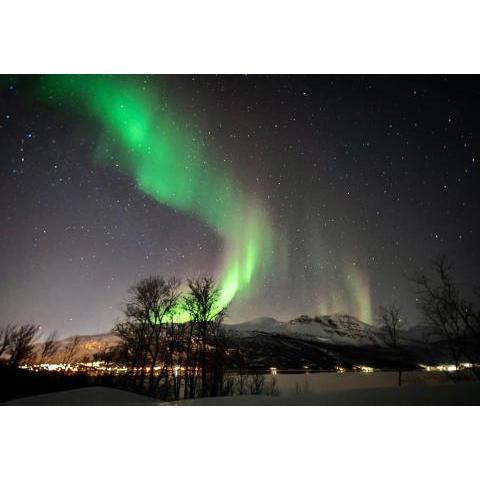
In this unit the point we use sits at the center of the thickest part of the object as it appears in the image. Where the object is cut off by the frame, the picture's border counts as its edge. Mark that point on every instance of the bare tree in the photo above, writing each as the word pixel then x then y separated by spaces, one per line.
pixel 21 345
pixel 455 320
pixel 256 384
pixel 162 350
pixel 174 354
pixel 239 361
pixel 389 321
pixel 133 346
pixel 150 305
pixel 218 354
pixel 190 352
pixel 5 338
pixel 70 351
pixel 202 302
pixel 49 348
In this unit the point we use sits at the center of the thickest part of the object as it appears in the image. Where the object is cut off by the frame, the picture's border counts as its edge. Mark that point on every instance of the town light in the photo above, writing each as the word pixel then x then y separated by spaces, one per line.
pixel 365 369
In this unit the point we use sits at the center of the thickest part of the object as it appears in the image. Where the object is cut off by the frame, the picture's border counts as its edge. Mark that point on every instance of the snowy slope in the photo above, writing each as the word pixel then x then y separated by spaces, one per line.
pixel 262 324
pixel 336 329
pixel 466 393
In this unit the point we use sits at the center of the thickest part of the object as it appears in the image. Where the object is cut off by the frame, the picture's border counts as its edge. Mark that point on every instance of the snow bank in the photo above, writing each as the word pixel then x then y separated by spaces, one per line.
pixel 467 393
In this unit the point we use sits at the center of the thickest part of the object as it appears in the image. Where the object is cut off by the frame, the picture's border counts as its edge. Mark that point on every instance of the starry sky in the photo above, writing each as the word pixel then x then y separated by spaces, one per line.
pixel 346 184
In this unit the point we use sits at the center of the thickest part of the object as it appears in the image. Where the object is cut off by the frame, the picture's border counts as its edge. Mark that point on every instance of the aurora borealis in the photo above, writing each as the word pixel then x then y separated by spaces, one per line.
pixel 300 194
pixel 168 166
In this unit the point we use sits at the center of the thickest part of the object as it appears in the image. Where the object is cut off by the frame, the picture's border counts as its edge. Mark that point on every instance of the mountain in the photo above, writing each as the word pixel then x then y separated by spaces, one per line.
pixel 88 345
pixel 334 329
pixel 320 342
pixel 261 324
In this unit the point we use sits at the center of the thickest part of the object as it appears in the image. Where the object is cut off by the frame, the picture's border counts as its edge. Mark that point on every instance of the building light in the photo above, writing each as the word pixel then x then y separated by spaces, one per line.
pixel 445 368
pixel 273 370
pixel 364 369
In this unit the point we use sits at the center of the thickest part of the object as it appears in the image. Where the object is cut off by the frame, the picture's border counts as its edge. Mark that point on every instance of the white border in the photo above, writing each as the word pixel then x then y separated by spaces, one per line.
pixel 239 442
pixel 251 36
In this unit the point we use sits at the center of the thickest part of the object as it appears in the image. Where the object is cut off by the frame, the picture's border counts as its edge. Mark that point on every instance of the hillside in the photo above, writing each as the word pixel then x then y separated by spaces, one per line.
pixel 321 342
pixel 335 329
pixel 89 345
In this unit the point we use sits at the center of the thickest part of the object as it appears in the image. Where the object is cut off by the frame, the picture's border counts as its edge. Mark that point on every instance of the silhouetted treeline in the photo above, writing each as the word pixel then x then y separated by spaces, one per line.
pixel 17 343
pixel 172 344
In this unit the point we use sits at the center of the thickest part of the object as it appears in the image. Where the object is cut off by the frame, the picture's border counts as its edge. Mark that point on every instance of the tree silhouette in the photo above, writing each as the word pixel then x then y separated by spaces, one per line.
pixel 454 319
pixel 21 343
pixel 70 351
pixel 389 321
pixel 202 304
pixel 151 302
pixel 5 338
pixel 49 348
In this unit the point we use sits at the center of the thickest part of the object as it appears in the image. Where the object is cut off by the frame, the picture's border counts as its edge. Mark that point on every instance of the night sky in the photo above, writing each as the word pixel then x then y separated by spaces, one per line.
pixel 336 188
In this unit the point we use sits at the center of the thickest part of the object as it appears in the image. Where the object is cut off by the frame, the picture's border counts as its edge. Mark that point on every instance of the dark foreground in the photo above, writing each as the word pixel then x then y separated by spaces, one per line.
pixel 18 383
pixel 467 393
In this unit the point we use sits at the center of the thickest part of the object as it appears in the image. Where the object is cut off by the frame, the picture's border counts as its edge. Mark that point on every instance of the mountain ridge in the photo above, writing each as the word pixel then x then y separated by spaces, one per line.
pixel 335 328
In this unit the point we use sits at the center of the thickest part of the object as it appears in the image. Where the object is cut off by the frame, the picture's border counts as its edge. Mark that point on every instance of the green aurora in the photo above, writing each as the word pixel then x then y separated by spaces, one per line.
pixel 161 154
pixel 169 166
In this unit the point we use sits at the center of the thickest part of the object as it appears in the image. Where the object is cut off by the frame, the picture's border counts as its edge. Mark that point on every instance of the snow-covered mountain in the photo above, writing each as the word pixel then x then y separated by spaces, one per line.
pixel 336 329
pixel 261 324
pixel 322 341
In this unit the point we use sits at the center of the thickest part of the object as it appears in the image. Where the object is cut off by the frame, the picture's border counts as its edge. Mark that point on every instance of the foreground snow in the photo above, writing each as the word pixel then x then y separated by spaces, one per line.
pixel 86 396
pixel 462 394
pixel 467 393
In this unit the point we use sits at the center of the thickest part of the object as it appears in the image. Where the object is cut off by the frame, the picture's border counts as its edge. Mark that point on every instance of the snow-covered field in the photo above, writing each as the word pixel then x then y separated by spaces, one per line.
pixel 86 396
pixel 466 393
pixel 350 388
pixel 324 382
